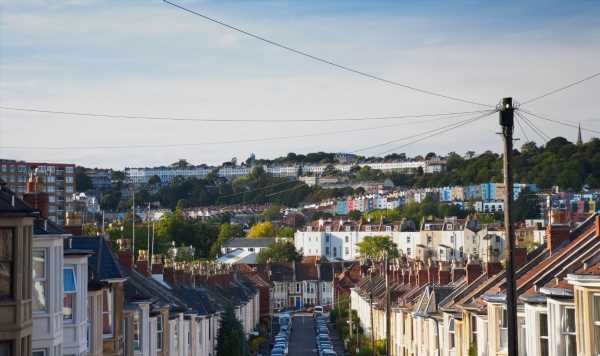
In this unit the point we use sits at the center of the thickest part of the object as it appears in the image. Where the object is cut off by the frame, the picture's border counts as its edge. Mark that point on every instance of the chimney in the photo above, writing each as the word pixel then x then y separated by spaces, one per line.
pixel 493 268
pixel 141 264
pixel 474 269
pixel 422 275
pixel 405 276
pixel 458 271
pixel 125 254
pixel 169 272
pixel 520 257
pixel 157 264
pixel 556 236
pixel 597 223
pixel 443 274
pixel 179 273
pixel 433 275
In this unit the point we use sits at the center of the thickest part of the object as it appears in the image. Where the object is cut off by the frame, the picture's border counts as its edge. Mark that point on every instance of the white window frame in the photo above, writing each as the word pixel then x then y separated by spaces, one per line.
pixel 503 327
pixel 568 336
pixel 159 332
pixel 42 280
pixel 451 335
pixel 109 312
pixel 137 331
pixel 544 337
pixel 74 296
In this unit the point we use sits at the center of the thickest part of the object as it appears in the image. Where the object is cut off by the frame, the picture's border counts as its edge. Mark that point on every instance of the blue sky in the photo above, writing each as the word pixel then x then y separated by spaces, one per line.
pixel 145 57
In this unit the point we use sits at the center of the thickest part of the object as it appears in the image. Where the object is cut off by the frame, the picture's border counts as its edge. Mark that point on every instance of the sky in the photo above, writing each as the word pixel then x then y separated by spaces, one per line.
pixel 144 57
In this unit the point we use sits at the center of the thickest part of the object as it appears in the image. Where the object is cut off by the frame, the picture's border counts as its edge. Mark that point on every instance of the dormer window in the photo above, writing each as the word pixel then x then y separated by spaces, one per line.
pixel 347 228
pixel 368 228
pixel 388 229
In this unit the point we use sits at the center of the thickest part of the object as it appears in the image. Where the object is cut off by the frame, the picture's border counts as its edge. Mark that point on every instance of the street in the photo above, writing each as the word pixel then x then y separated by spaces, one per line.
pixel 302 342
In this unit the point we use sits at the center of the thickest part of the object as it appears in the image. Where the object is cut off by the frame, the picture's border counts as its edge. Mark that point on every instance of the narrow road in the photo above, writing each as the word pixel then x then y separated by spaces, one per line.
pixel 302 341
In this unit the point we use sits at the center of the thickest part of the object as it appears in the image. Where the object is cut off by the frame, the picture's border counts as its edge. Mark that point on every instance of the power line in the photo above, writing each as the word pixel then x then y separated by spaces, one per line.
pixel 255 190
pixel 523 131
pixel 561 89
pixel 436 134
pixel 557 121
pixel 322 60
pixel 215 142
pixel 487 112
pixel 286 190
pixel 90 115
pixel 533 128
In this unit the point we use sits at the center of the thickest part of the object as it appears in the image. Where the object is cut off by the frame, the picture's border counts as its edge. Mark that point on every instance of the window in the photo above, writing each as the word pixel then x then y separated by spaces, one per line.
pixel 474 331
pixel 429 239
pixel 543 319
pixel 451 339
pixel 200 331
pixel 6 348
pixel 567 330
pixel 6 263
pixel 347 239
pixel 159 332
pixel 40 285
pixel 107 312
pixel 346 250
pixel 136 332
pixel 408 251
pixel 297 287
pixel 327 250
pixel 326 237
pixel 69 293
pixel 407 239
pixel 503 329
pixel 596 321
pixel 334 251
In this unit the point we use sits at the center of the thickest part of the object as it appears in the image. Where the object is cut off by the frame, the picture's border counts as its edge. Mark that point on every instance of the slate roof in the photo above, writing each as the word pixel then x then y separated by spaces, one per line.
pixel 19 208
pixel 47 227
pixel 102 263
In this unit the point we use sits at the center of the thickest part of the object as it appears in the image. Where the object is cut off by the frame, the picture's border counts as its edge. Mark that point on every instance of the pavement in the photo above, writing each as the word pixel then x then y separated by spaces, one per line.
pixel 302 341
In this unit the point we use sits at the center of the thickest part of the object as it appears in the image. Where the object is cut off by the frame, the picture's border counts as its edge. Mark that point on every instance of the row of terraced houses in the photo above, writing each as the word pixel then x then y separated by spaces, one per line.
pixel 459 309
pixel 66 295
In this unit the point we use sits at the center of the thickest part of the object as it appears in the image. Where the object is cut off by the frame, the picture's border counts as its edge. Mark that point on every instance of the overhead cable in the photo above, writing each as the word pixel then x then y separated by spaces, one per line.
pixel 322 60
pixel 560 89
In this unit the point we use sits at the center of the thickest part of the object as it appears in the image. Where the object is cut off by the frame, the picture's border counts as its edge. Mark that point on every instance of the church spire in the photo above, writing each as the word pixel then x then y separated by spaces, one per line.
pixel 579 140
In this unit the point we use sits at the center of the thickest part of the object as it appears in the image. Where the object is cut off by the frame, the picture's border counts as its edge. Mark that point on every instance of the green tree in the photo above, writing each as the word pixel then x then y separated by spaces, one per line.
pixel 272 213
pixel 377 247
pixel 281 251
pixel 154 180
pixel 231 340
pixel 226 232
pixel 82 180
pixel 354 215
pixel 265 229
pixel 285 232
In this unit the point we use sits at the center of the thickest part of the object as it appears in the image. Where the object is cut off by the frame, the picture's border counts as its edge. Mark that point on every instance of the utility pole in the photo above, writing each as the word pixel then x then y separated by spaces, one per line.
pixel 148 240
pixel 133 224
pixel 372 329
pixel 388 341
pixel 507 123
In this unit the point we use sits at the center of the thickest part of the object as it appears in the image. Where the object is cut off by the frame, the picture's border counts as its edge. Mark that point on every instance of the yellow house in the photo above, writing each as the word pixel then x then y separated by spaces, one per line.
pixel 586 285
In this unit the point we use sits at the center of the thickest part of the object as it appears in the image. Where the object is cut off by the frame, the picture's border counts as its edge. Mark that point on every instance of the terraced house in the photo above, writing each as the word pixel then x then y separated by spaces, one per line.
pixel 441 309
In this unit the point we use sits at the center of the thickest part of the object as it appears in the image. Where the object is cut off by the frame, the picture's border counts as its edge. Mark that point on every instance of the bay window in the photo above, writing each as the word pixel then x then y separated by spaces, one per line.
pixel 596 322
pixel 474 331
pixel 107 313
pixel 451 335
pixel 70 288
pixel 543 326
pixel 136 332
pixel 503 329
pixel 40 284
pixel 159 332
pixel 567 330
pixel 6 263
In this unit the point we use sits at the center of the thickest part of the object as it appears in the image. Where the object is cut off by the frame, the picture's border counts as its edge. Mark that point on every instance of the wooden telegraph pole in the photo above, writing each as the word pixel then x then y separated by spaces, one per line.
pixel 507 123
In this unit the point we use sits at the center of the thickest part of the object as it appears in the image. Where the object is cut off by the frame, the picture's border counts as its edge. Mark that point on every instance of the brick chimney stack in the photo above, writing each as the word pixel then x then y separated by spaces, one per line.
pixel 556 236
pixel 141 264
pixel 169 272
pixel 433 275
pixel 422 274
pixel 443 273
pixel 520 257
pixel 157 264
pixel 474 269
pixel 458 271
pixel 125 254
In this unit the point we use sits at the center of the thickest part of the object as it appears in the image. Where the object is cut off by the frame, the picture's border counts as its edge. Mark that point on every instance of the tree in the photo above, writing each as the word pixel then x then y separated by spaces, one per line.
pixel 285 232
pixel 83 181
pixel 272 213
pixel 265 229
pixel 231 340
pixel 118 176
pixel 154 180
pixel 354 215
pixel 281 251
pixel 376 247
pixel 226 232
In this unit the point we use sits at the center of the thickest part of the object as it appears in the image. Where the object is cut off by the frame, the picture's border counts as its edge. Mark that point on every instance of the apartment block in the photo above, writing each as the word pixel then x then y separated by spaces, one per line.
pixel 55 179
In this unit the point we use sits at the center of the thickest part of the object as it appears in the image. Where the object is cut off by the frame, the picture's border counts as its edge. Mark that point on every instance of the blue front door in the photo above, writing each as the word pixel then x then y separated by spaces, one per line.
pixel 298 303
